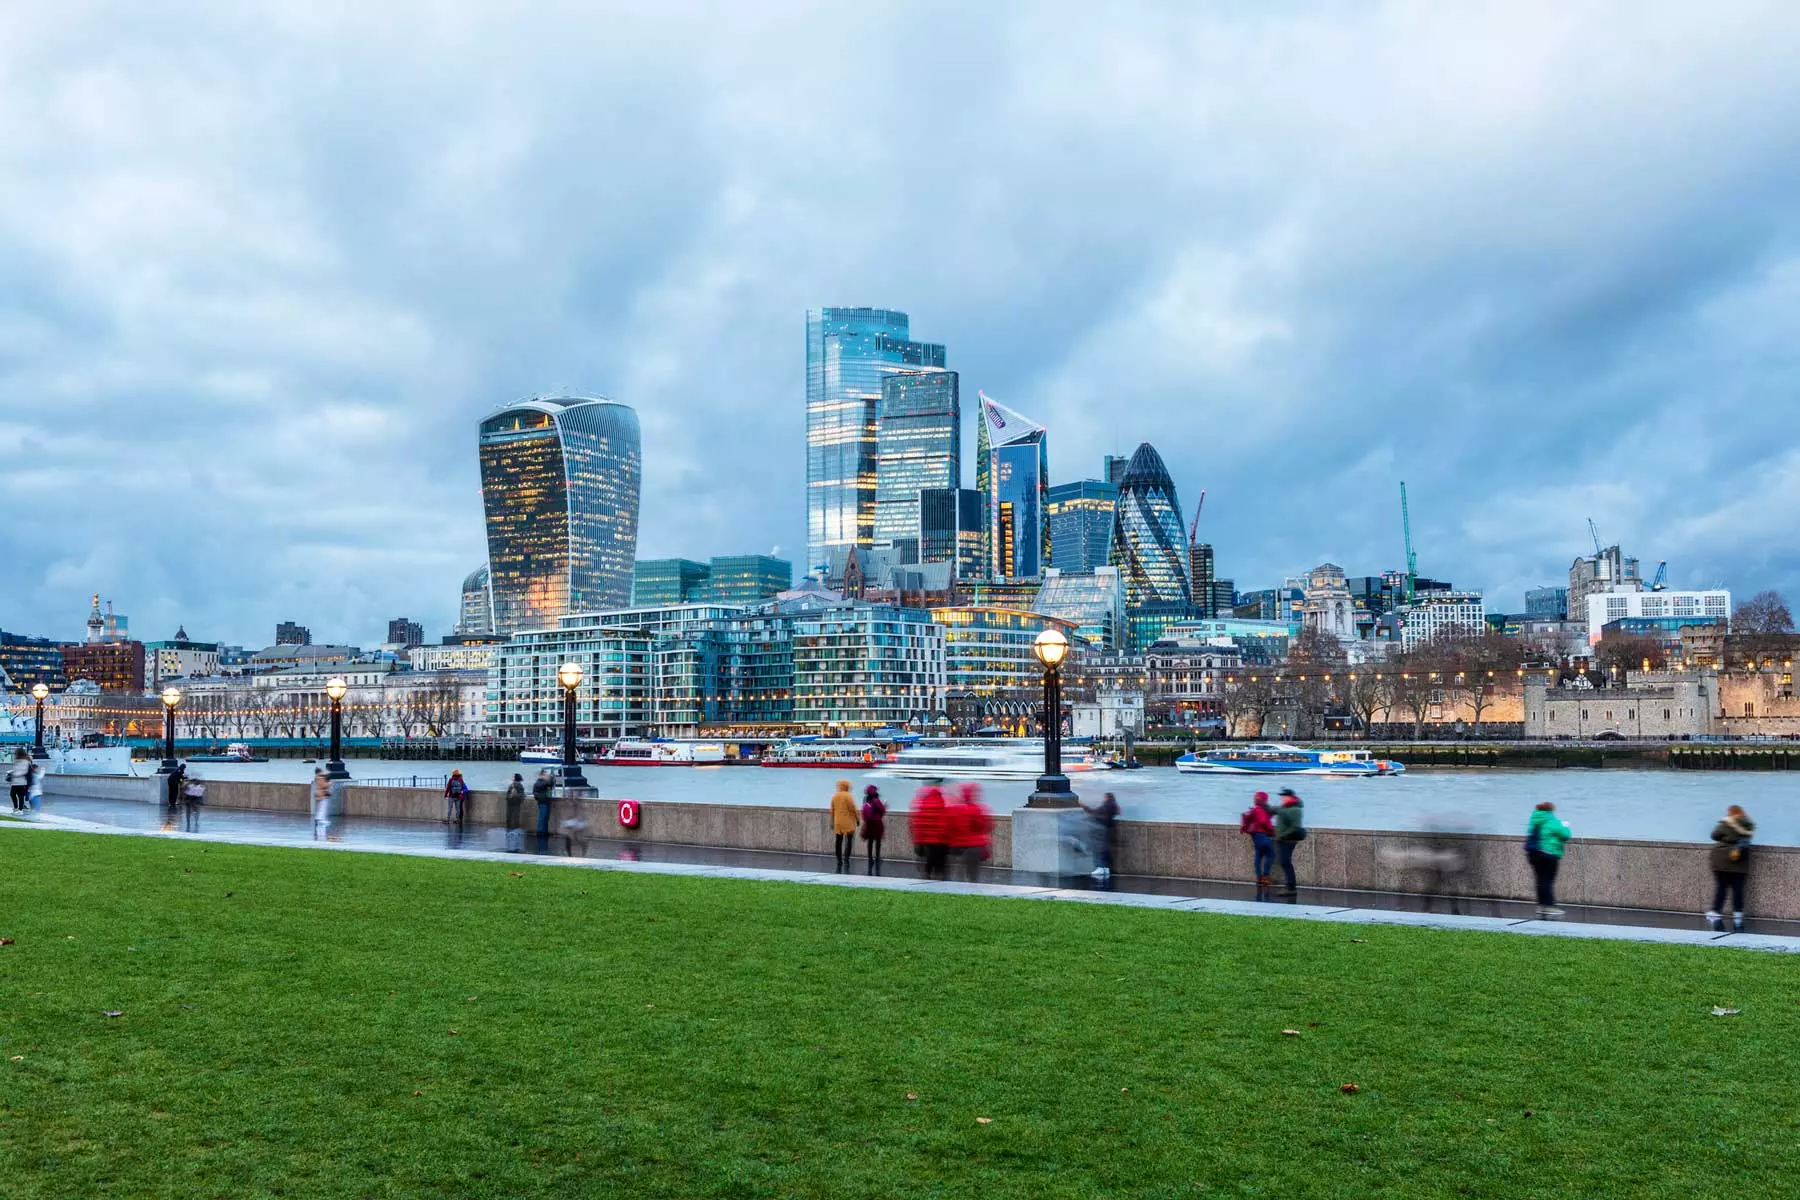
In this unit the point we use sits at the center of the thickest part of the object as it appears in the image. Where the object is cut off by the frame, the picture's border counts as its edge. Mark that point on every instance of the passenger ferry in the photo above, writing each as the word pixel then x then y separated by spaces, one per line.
pixel 824 752
pixel 994 760
pixel 1268 758
pixel 636 752
pixel 541 754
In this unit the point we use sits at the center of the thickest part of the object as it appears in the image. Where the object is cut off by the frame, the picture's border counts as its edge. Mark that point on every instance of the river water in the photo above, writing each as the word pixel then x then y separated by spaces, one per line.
pixel 1657 805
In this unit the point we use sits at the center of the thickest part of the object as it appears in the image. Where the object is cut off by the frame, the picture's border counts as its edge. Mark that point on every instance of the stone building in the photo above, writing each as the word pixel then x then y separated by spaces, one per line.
pixel 1657 705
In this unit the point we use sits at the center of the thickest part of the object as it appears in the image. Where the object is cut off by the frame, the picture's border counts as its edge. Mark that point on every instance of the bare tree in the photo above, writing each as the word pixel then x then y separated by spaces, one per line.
pixel 1365 693
pixel 406 715
pixel 439 708
pixel 263 713
pixel 1484 666
pixel 1245 703
pixel 1765 612
pixel 1617 654
pixel 1414 682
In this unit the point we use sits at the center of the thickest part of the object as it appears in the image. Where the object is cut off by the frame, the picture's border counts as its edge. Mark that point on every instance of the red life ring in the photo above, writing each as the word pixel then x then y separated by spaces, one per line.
pixel 628 814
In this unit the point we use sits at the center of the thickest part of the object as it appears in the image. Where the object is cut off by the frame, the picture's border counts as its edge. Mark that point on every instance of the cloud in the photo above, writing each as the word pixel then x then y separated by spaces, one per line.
pixel 264 267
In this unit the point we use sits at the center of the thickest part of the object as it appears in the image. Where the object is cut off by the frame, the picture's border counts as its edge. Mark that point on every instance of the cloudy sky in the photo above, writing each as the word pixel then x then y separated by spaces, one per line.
pixel 263 268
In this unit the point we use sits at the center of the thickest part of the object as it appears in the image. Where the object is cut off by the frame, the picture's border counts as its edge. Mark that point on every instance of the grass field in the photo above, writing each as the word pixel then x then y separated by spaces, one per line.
pixel 295 1023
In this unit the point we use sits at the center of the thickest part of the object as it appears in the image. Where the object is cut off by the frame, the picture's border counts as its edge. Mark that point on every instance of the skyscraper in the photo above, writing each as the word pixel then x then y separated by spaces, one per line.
pixel 560 482
pixel 849 351
pixel 1149 546
pixel 950 529
pixel 1081 521
pixel 1018 481
pixel 1200 577
pixel 475 614
pixel 918 444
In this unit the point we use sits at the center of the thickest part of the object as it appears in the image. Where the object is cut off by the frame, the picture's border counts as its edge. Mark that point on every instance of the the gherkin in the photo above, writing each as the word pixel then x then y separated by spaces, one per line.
pixel 1147 543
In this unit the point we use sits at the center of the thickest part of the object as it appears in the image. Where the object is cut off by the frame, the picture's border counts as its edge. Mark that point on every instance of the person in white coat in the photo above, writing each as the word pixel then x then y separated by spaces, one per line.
pixel 18 779
pixel 321 804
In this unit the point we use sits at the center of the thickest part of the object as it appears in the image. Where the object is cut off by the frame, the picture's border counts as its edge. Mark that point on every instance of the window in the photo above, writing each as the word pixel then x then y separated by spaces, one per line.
pixel 1749 708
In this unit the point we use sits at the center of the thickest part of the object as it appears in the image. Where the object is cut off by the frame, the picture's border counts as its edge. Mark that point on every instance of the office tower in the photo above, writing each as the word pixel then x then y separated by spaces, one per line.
pixel 849 351
pixel 476 617
pixel 560 478
pixel 747 578
pixel 917 445
pixel 402 632
pixel 1113 467
pixel 1224 596
pixel 659 581
pixel 1200 578
pixel 1018 474
pixel 25 661
pixel 289 633
pixel 950 529
pixel 1547 602
pixel 984 482
pixel 1149 545
pixel 1081 521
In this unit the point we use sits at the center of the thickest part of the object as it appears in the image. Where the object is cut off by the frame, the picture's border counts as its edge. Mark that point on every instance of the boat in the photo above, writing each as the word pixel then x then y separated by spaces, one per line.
pixel 823 752
pixel 636 752
pixel 93 756
pixel 236 752
pixel 1272 758
pixel 541 754
pixel 993 759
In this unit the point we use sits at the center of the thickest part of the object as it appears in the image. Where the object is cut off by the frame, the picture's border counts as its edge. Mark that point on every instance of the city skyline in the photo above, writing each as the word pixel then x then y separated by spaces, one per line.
pixel 1453 297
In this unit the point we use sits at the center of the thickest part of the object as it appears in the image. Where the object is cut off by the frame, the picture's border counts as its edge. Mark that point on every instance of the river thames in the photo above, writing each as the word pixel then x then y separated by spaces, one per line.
pixel 1657 805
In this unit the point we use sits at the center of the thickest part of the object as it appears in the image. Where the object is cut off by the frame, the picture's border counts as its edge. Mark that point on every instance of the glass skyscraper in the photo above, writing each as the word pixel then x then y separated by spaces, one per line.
pixel 1081 521
pixel 747 578
pixel 658 581
pixel 849 351
pixel 1149 545
pixel 1018 474
pixel 560 480
pixel 917 445
pixel 950 529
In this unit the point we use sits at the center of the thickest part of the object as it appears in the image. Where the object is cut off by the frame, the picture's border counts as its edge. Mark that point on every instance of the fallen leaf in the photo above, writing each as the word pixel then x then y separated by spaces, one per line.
pixel 912 1095
pixel 112 1012
pixel 1124 1089
pixel 1529 1113
pixel 1312 1024
pixel 1725 1012
pixel 6 941
pixel 1359 941
pixel 187 1006
pixel 517 874
pixel 471 997
pixel 1349 1089
pixel 984 1120
pixel 453 1033
pixel 418 1093
pixel 229 895
pixel 18 1058
pixel 1290 1033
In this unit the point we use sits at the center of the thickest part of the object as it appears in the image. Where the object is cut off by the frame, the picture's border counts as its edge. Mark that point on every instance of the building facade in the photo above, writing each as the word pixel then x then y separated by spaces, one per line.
pixel 1678 608
pixel 292 633
pixel 1081 524
pixel 110 666
pixel 1608 570
pixel 950 529
pixel 1094 603
pixel 866 665
pixel 849 352
pixel 1148 545
pixel 28 661
pixel 747 578
pixel 1189 678
pixel 1547 602
pixel 1434 616
pixel 455 654
pixel 560 483
pixel 918 445
pixel 178 658
pixel 1018 481
pixel 1659 705
pixel 988 651
pixel 475 609
pixel 658 581
pixel 405 634
pixel 1327 605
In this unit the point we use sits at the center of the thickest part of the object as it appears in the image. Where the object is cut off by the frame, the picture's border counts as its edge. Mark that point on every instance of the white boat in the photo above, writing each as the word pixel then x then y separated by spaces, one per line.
pixel 1011 759
pixel 824 752
pixel 1273 758
pixel 541 754
pixel 637 752
pixel 96 760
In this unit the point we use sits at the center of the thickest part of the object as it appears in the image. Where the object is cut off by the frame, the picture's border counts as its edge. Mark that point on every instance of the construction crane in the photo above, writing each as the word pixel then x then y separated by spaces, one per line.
pixel 1662 573
pixel 1595 534
pixel 1412 560
pixel 1194 529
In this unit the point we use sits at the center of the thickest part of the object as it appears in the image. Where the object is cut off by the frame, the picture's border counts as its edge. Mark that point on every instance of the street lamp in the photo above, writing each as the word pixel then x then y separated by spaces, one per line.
pixel 335 687
pixel 569 675
pixel 1051 647
pixel 40 693
pixel 171 700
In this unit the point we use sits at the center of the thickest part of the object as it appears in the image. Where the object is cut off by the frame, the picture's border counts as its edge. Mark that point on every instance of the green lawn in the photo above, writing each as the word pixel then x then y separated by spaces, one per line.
pixel 307 1024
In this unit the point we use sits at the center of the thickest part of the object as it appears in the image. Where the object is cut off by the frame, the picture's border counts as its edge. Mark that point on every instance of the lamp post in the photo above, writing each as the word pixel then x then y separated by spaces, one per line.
pixel 40 693
pixel 335 687
pixel 1051 647
pixel 171 700
pixel 569 675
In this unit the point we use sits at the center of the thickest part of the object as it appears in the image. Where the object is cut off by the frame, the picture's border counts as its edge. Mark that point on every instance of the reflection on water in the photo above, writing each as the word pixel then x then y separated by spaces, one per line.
pixel 1653 804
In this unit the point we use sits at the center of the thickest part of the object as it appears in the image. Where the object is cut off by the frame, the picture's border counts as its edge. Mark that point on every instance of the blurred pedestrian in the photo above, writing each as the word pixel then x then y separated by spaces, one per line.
pixel 1259 824
pixel 968 830
pixel 515 804
pixel 18 778
pixel 34 794
pixel 1290 831
pixel 1730 867
pixel 321 803
pixel 874 826
pixel 1545 837
pixel 455 792
pixel 1105 816
pixel 927 823
pixel 193 796
pixel 843 824
pixel 543 790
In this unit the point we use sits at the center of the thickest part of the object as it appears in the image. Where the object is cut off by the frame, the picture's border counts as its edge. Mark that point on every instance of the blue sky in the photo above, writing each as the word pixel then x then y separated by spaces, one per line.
pixel 263 268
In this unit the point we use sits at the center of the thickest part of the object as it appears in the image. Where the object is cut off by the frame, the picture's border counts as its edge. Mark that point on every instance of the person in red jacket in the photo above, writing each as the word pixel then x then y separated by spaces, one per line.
pixel 1259 823
pixel 970 832
pixel 928 830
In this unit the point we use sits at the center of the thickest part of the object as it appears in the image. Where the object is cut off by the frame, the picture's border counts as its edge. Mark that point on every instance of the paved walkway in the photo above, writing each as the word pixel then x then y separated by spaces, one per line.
pixel 1247 908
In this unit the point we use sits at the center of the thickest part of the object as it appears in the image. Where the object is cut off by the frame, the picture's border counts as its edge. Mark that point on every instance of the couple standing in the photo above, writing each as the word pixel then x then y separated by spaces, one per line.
pixel 1274 832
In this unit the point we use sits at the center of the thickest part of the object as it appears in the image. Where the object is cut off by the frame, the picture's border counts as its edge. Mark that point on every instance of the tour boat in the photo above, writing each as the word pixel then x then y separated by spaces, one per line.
pixel 70 759
pixel 236 752
pixel 541 754
pixel 1022 759
pixel 823 752
pixel 1269 758
pixel 634 752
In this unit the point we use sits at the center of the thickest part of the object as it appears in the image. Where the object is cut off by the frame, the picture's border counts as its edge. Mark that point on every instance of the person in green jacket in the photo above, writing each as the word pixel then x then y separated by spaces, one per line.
pixel 1290 831
pixel 1544 840
pixel 1730 862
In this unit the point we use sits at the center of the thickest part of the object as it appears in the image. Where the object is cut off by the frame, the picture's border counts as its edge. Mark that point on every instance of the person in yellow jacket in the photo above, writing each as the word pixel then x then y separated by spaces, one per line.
pixel 843 823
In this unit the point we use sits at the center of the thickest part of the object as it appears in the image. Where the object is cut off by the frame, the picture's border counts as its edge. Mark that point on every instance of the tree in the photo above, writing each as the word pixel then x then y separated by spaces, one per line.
pixel 1485 664
pixel 1765 612
pixel 1617 654
pixel 1245 702
pixel 1415 681
pixel 1365 693
pixel 1313 656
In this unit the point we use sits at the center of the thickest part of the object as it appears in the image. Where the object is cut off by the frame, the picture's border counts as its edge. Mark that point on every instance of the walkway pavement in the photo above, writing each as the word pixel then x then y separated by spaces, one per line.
pixel 1346 914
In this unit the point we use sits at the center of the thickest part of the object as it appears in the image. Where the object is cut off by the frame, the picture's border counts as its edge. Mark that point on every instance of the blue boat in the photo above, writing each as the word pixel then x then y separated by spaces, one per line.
pixel 1271 758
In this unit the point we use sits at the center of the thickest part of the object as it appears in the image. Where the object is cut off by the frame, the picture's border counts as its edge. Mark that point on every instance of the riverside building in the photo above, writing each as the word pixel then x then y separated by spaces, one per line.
pixel 988 651
pixel 560 480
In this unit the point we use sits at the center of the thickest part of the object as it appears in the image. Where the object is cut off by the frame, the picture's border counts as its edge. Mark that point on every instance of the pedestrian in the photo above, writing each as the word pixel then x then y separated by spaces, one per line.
pixel 1105 816
pixel 455 792
pixel 34 794
pixel 1544 839
pixel 515 803
pixel 321 803
pixel 193 795
pixel 1259 823
pixel 543 790
pixel 874 826
pixel 968 830
pixel 1730 867
pixel 843 824
pixel 927 823
pixel 18 779
pixel 1290 831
